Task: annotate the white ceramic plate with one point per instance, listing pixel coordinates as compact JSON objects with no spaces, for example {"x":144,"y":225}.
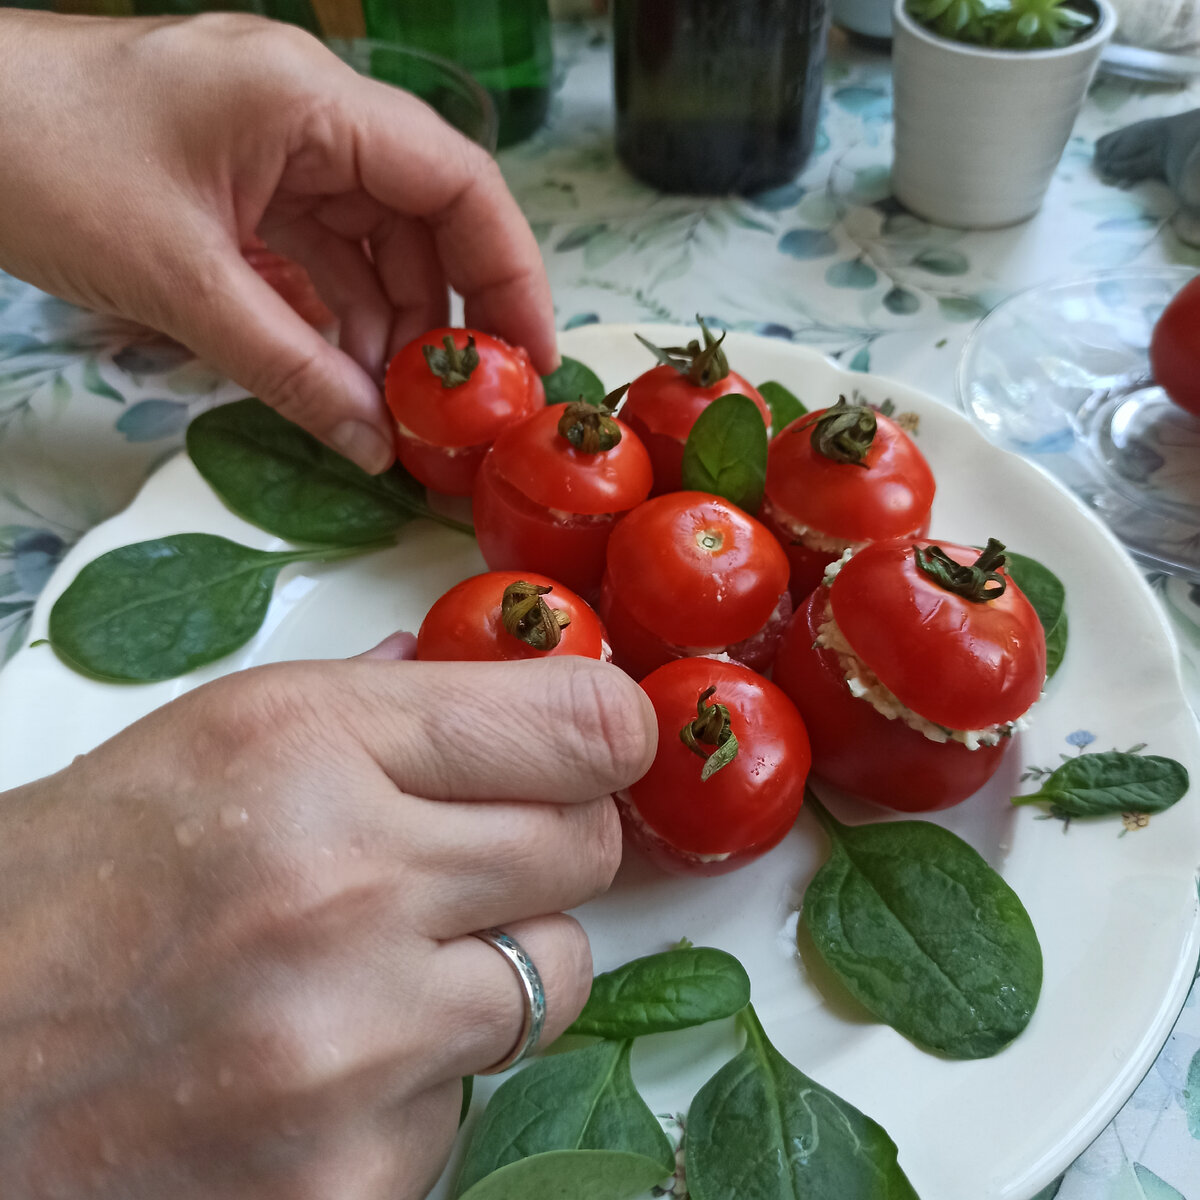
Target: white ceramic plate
{"x":1117,"y":915}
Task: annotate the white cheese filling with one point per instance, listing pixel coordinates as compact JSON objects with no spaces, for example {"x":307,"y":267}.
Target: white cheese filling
{"x":864,"y":684}
{"x":813,"y":539}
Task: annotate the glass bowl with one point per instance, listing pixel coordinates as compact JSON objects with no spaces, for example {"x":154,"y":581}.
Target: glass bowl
{"x":1060,"y":375}
{"x":449,"y":90}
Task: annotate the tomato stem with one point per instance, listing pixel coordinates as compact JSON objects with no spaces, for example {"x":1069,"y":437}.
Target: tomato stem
{"x":710,"y":728}
{"x":979,"y":582}
{"x":450,"y":364}
{"x":592,"y":427}
{"x":702,"y":365}
{"x":843,"y":433}
{"x":527,"y":616}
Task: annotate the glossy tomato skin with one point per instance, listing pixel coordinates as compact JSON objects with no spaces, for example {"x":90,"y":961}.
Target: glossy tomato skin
{"x":858,"y":749}
{"x":890,"y":497}
{"x":689,"y":573}
{"x":662,"y":405}
{"x":465,"y":623}
{"x":539,"y":504}
{"x":291,"y":281}
{"x":712,"y":826}
{"x":442,"y":433}
{"x":1175,"y":348}
{"x":957,"y":662}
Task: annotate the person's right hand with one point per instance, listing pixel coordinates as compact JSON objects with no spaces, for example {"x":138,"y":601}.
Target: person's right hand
{"x":234,"y":938}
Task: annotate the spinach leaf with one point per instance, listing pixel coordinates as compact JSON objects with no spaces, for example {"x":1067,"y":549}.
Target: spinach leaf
{"x":571,"y":382}
{"x":571,"y":1175}
{"x":925,"y":935}
{"x":674,"y":990}
{"x":160,"y":608}
{"x":283,"y":480}
{"x":726,"y":452}
{"x":1096,"y":785}
{"x":580,"y":1100}
{"x":1046,"y":593}
{"x":784,"y":406}
{"x":761,"y":1128}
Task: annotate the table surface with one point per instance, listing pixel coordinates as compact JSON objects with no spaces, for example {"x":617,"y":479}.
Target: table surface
{"x":90,"y":406}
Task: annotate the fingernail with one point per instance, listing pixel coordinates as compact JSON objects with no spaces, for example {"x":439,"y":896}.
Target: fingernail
{"x":362,"y":444}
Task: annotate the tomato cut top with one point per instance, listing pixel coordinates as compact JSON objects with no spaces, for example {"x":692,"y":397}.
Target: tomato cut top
{"x":961,"y":663}
{"x":667,"y":402}
{"x":696,"y":570}
{"x":466,"y":623}
{"x":501,"y":389}
{"x":542,"y":464}
{"x":888,"y":497}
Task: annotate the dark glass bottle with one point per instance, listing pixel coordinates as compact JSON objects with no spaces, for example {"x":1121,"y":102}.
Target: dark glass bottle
{"x":505,"y":44}
{"x":717,"y":96}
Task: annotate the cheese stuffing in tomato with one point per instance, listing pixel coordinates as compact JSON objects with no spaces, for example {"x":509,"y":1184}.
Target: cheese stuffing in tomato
{"x":838,"y":479}
{"x":913,"y":665}
{"x":451,"y":392}
{"x":692,"y":574}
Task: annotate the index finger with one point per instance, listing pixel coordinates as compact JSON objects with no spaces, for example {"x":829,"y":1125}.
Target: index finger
{"x":561,"y":730}
{"x":415,"y":163}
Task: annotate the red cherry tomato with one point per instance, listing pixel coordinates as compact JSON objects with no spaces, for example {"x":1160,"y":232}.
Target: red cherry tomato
{"x":449,"y":405}
{"x":542,"y":504}
{"x":958,"y":663}
{"x":877,"y":485}
{"x":663,"y":403}
{"x":500,"y":616}
{"x":690,"y":573}
{"x":1175,"y":348}
{"x":708,"y":826}
{"x":291,"y":281}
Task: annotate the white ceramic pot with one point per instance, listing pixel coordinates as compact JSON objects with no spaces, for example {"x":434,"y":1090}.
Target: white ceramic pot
{"x":871,"y":18}
{"x":978,"y":131}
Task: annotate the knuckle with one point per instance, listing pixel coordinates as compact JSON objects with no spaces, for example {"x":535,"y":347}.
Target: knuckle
{"x":569,"y":967}
{"x":282,"y":1046}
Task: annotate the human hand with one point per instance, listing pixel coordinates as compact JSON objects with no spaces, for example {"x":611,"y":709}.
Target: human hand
{"x":141,"y":156}
{"x":233,"y":936}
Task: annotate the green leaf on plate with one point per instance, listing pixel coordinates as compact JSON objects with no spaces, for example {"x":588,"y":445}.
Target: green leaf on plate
{"x":662,"y":992}
{"x":157,"y":609}
{"x":571,"y":382}
{"x":1044,"y":590}
{"x":761,"y":1128}
{"x":1097,"y":785}
{"x":925,"y":935}
{"x":581,"y":1100}
{"x":571,"y":1175}
{"x":280,"y":478}
{"x":1153,"y":1186}
{"x":726,"y":452}
{"x":784,"y":405}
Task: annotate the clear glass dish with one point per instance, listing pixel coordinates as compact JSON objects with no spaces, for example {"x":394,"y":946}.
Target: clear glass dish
{"x":1059,"y":374}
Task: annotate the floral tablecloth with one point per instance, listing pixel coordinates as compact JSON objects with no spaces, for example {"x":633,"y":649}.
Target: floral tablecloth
{"x":89,"y":407}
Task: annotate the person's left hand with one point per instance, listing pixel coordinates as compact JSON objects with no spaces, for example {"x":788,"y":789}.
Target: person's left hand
{"x":141,"y":156}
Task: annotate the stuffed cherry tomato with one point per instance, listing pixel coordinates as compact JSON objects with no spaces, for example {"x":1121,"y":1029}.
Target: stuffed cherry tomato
{"x":687,"y":574}
{"x":912,"y":670}
{"x":728,"y":778}
{"x":505,"y":615}
{"x":451,"y":392}
{"x":837,"y":479}
{"x":1175,"y":348}
{"x":291,"y":281}
{"x":551,"y":489}
{"x":664,"y":402}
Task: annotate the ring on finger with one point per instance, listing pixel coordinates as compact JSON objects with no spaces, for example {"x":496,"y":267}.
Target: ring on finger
{"x":533,"y":992}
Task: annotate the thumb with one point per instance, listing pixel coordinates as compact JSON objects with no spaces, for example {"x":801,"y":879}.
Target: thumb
{"x":237,"y":322}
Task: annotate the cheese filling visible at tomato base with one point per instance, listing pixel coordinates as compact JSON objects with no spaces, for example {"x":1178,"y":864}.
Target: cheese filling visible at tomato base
{"x":812,"y":539}
{"x":635,"y":818}
{"x":865,"y":685}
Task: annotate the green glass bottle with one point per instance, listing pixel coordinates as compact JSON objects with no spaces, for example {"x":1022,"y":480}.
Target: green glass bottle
{"x":717,"y":96}
{"x":505,"y":44}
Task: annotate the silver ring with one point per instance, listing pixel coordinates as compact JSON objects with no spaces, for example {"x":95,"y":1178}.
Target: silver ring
{"x":531,"y":987}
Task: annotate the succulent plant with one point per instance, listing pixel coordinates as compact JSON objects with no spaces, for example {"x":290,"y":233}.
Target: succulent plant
{"x":1006,"y":24}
